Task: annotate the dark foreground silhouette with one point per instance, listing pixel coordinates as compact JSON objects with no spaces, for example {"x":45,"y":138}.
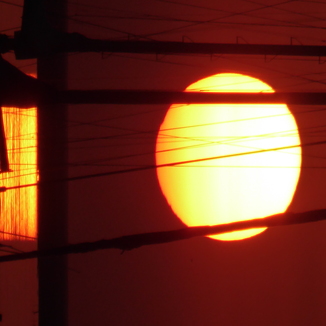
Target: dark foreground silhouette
{"x":20,"y":90}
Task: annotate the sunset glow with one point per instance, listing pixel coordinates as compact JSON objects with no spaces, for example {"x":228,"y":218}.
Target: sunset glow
{"x":229,"y":184}
{"x":18,"y":206}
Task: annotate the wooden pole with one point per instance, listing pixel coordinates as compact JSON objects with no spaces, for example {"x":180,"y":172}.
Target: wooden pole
{"x":52,"y":165}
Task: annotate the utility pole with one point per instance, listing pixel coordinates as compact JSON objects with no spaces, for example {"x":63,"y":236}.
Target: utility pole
{"x":49,"y":41}
{"x":52,"y":156}
{"x":37,"y":38}
{"x":19,"y":90}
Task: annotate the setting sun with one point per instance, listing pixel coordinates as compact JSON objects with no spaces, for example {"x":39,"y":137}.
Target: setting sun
{"x":225,"y":166}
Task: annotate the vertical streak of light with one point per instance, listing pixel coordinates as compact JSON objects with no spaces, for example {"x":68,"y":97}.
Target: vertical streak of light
{"x":18,"y":207}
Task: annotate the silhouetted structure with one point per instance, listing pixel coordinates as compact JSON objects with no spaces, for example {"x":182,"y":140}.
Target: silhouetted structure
{"x":37,"y":39}
{"x":20,"y":90}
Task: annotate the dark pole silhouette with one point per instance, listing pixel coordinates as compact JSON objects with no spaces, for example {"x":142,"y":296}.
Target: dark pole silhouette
{"x":37,"y":38}
{"x":121,"y":96}
{"x":27,"y":46}
{"x":20,"y":90}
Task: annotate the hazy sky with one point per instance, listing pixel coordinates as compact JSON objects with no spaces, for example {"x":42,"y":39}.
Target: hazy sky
{"x":276,"y":278}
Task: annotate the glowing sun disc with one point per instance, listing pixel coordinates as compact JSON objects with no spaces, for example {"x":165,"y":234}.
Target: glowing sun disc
{"x":224,"y":187}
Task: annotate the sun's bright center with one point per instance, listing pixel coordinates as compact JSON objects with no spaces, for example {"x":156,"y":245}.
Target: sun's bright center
{"x":232,"y":168}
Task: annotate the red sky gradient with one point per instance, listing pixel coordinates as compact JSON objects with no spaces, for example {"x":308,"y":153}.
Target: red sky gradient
{"x":276,"y":278}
